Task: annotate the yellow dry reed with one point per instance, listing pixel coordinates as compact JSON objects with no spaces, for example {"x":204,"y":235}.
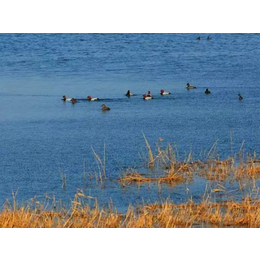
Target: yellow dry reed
{"x":167,"y":215}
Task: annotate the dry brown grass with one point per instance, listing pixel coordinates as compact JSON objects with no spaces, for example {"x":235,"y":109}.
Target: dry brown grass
{"x":167,"y":168}
{"x":166,"y":215}
{"x":211,"y":170}
{"x":248,"y":170}
{"x":216,"y":170}
{"x":237,"y":167}
{"x":130,"y":178}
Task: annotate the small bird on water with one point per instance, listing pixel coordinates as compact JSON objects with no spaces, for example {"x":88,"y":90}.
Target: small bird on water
{"x":240,"y":97}
{"x":188,"y":86}
{"x":129,"y":94}
{"x":64,"y":98}
{"x":149,"y":94}
{"x":73,"y":101}
{"x":91,"y":98}
{"x":165,"y":92}
{"x":207,"y":91}
{"x":105,"y":108}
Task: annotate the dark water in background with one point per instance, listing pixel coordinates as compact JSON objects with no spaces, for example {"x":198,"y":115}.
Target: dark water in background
{"x":40,"y":133}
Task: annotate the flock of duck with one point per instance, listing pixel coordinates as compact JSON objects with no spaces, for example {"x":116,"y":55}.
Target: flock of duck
{"x":147,"y":96}
{"x":199,"y":38}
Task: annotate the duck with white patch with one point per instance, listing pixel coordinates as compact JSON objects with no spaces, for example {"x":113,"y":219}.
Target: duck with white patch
{"x":146,"y":97}
{"x":64,"y":98}
{"x":92,"y":99}
{"x":165,"y":92}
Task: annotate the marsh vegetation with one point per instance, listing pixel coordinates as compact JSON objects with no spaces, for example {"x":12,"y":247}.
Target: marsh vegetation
{"x":214,"y":209}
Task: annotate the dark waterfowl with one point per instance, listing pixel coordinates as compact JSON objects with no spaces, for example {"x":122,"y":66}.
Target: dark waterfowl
{"x":165,"y":92}
{"x":149,"y":94}
{"x":73,"y":101}
{"x":91,"y":98}
{"x":208,"y":38}
{"x":207,"y":91}
{"x":240,"y":97}
{"x":198,"y":38}
{"x":105,"y":108}
{"x":188,"y":86}
{"x":129,"y":94}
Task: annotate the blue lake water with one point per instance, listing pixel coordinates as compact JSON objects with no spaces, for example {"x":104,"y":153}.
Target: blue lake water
{"x":42,"y":136}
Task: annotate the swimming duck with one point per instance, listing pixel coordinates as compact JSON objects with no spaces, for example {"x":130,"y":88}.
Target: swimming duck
{"x":64,"y":98}
{"x":207,"y":91}
{"x":129,"y":94}
{"x":149,"y":94}
{"x":208,"y":38}
{"x":146,"y":97}
{"x":198,"y":38}
{"x":165,"y":92}
{"x":91,"y":98}
{"x":105,"y":108}
{"x":240,"y":97}
{"x":73,"y":100}
{"x":188,"y":86}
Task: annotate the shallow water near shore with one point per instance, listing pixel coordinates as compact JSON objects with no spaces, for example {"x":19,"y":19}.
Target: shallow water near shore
{"x":42,"y":136}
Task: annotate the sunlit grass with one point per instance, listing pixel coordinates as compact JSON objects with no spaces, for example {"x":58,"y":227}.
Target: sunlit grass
{"x":165,"y":215}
